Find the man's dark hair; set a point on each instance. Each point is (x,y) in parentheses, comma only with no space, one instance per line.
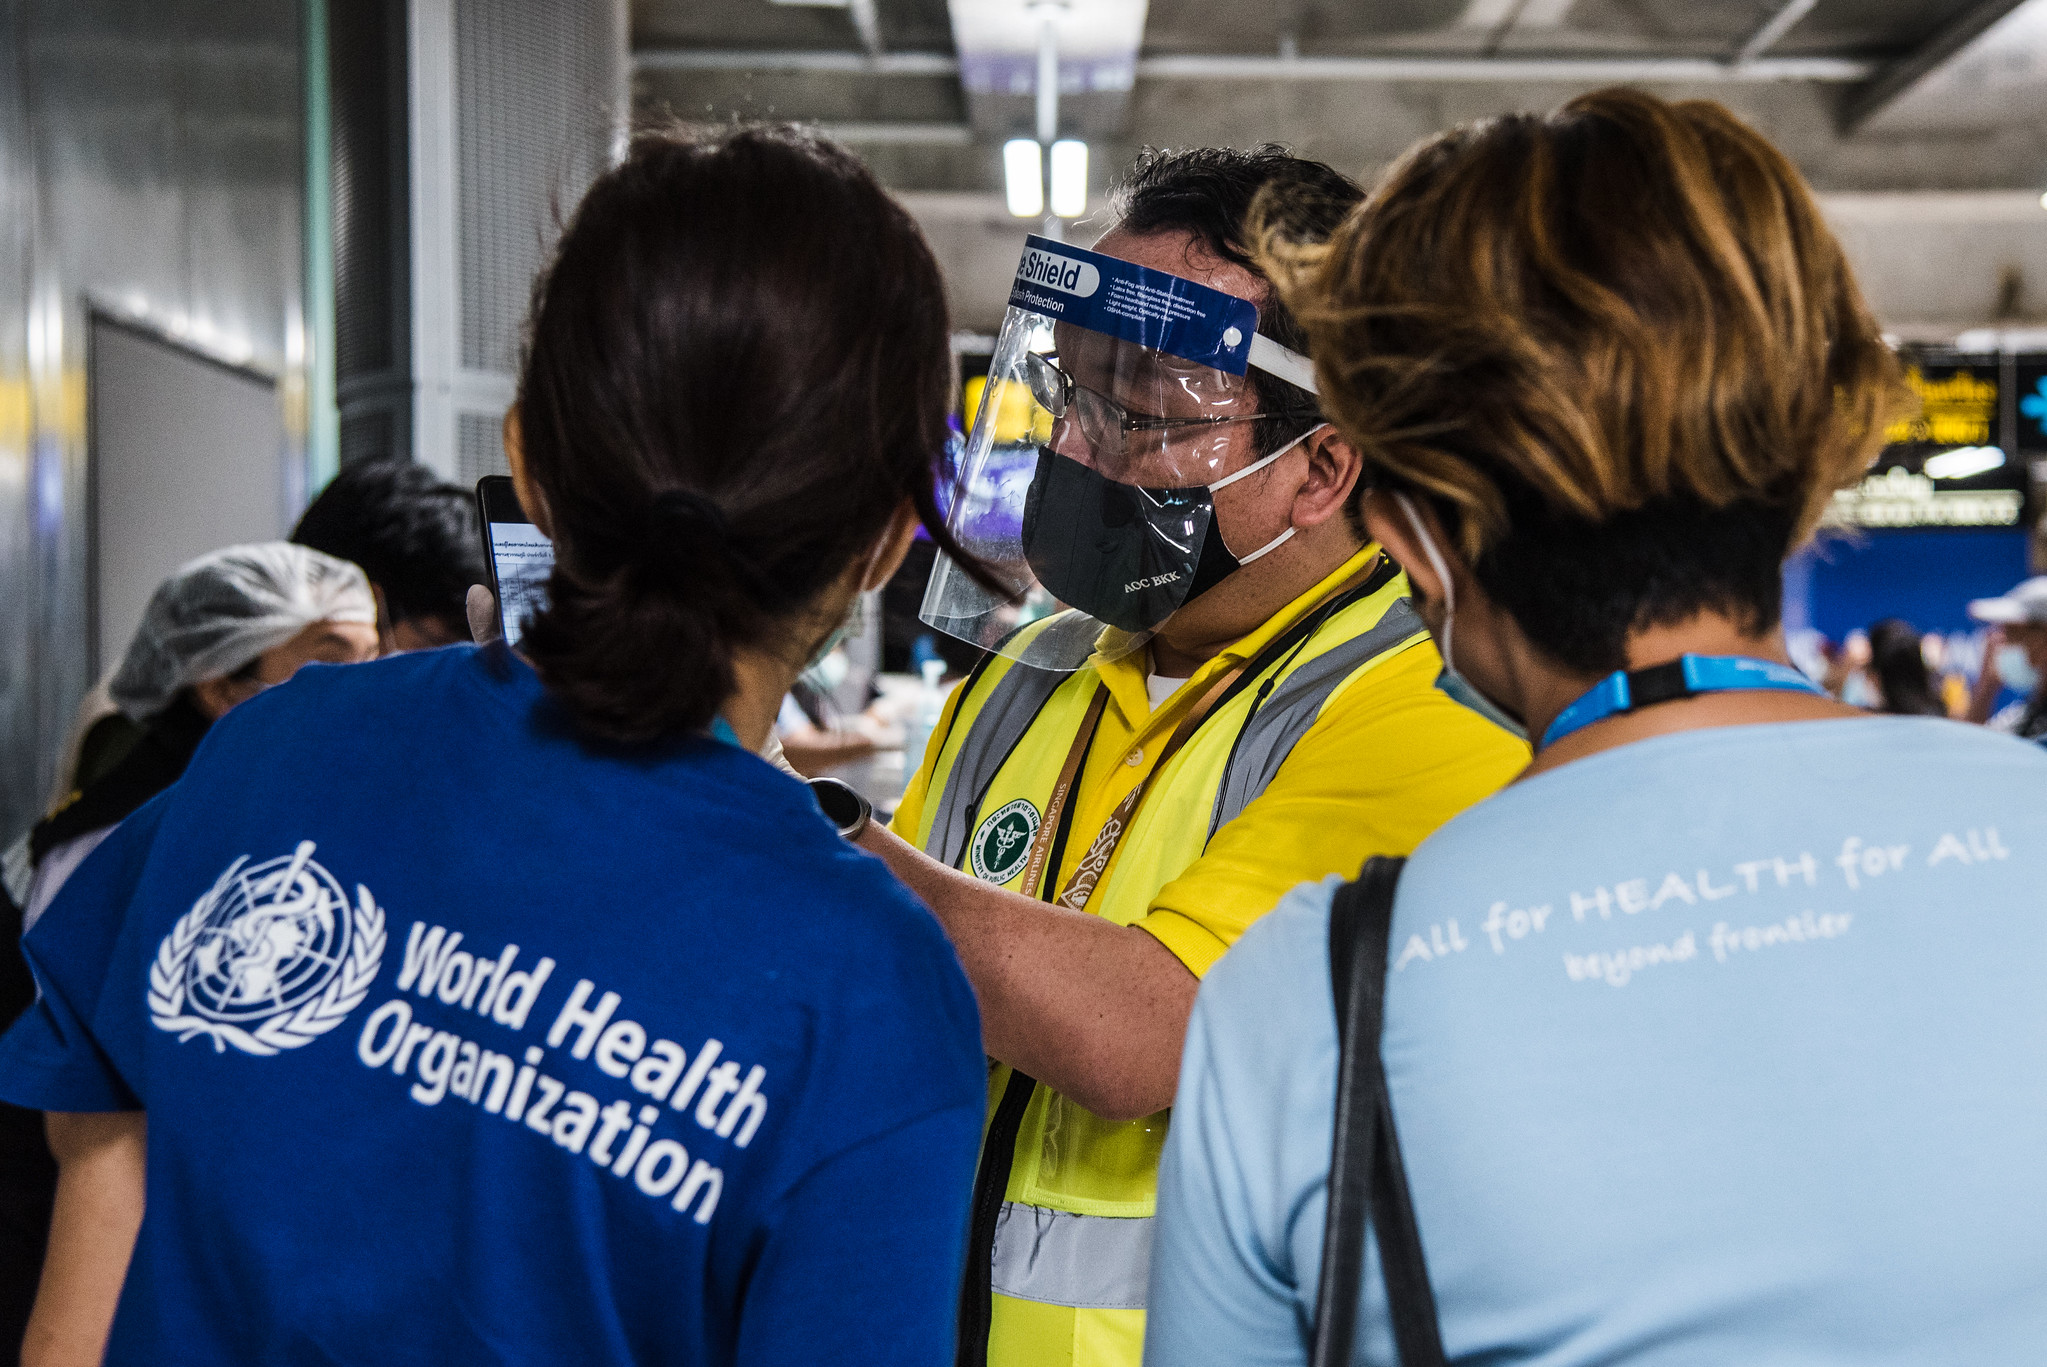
(414,536)
(1208,193)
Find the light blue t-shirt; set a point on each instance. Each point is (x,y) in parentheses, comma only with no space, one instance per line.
(1723,1047)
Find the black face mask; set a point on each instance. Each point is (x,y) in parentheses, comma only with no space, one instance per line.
(1122,553)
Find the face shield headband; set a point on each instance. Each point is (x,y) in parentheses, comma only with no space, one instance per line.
(1117,404)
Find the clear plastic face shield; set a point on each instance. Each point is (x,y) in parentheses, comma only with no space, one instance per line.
(1117,403)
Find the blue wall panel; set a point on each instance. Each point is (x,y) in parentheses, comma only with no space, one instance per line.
(1842,583)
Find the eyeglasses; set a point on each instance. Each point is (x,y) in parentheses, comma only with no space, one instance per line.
(1106,424)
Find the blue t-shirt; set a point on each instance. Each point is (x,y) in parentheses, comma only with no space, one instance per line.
(462,1042)
(1724,1047)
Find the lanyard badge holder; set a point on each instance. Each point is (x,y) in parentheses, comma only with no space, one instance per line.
(1118,402)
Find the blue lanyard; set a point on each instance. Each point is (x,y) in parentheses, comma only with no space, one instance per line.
(1685,677)
(722,730)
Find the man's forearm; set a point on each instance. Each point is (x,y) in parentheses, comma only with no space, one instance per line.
(1092,1009)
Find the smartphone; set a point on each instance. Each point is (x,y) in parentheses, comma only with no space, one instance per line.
(520,557)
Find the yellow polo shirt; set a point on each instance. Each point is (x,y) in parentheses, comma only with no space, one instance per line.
(1388,759)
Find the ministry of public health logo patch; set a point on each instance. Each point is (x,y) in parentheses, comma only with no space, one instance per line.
(272,957)
(1003,842)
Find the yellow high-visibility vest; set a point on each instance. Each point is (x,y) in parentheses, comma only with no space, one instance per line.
(1069,1255)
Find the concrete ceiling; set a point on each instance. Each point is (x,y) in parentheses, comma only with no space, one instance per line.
(1878,101)
(1908,94)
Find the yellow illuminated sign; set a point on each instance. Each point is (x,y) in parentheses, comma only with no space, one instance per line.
(1955,410)
(1018,416)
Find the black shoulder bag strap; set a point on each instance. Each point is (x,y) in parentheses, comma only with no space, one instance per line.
(1367,1181)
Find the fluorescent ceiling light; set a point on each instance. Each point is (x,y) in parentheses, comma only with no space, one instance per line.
(1023,177)
(1963,461)
(1069,178)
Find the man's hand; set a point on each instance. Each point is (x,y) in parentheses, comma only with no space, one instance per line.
(1094,1010)
(100,1167)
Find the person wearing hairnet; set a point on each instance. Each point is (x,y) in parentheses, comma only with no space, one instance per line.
(414,537)
(218,631)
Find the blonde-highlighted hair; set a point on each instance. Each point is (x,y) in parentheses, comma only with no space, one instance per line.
(1621,304)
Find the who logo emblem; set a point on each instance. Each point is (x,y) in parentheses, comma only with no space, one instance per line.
(1002,844)
(272,957)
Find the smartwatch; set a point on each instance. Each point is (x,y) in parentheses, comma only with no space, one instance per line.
(842,806)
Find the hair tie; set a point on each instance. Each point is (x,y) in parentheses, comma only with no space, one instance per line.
(687,530)
(685,513)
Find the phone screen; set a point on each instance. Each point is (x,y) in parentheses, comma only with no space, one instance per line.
(520,557)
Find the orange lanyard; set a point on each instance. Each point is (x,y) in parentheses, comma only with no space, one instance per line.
(1062,788)
(1081,885)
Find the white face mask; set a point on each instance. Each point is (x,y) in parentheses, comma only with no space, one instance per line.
(1450,681)
(1252,469)
(827,673)
(2015,667)
(820,667)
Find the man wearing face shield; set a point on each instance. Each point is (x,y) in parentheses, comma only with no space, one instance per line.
(1209,689)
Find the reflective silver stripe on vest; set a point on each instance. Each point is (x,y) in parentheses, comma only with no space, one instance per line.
(1273,731)
(1013,704)
(1267,739)
(1089,1262)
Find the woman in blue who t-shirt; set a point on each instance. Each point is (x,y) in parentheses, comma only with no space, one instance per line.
(1718,1037)
(504,1008)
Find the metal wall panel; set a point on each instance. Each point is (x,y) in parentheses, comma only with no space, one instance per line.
(538,100)
(372,228)
(479,448)
(184,460)
(21,549)
(516,105)
(463,129)
(150,162)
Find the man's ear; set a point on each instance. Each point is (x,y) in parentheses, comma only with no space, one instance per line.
(894,547)
(530,500)
(1387,521)
(1333,469)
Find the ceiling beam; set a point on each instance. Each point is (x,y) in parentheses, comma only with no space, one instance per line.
(1257,68)
(1771,29)
(877,134)
(867,24)
(1499,69)
(1901,74)
(898,134)
(856,63)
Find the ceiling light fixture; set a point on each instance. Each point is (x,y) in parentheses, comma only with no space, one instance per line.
(1963,462)
(1023,175)
(1069,178)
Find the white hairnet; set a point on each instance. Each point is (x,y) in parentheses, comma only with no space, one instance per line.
(217,613)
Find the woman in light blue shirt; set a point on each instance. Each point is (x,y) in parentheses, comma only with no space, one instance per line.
(1718,1037)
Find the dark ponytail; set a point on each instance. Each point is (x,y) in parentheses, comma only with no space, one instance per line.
(737,370)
